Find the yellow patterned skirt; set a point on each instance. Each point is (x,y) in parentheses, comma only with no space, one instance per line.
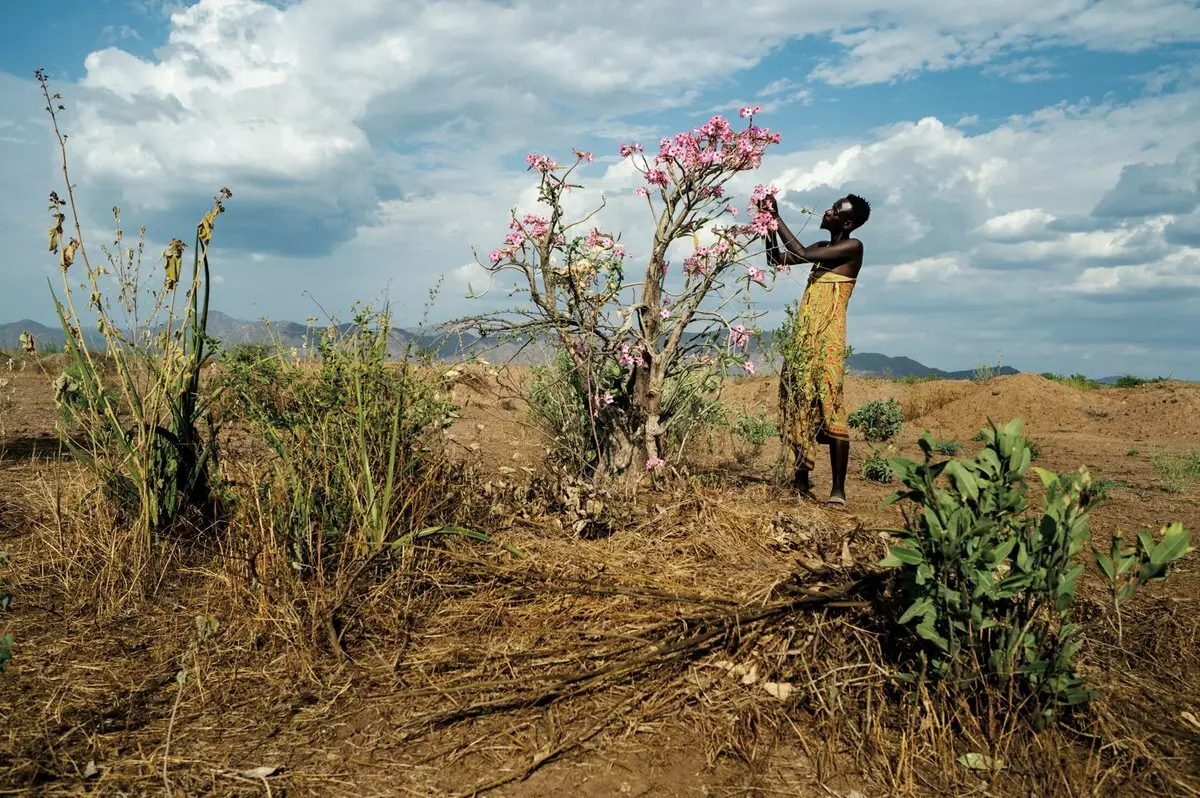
(812,406)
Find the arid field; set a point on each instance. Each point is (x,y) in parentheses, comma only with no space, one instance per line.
(712,636)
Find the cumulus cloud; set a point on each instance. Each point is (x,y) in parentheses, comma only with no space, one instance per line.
(371,143)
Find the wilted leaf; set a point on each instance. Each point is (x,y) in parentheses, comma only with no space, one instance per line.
(263,772)
(981,762)
(781,690)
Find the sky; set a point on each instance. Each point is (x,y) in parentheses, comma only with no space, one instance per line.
(1033,166)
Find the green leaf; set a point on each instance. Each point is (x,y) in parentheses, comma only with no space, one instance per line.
(1173,545)
(927,630)
(1048,478)
(905,556)
(1106,566)
(922,607)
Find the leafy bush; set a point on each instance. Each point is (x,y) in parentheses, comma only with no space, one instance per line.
(148,435)
(948,448)
(752,432)
(358,473)
(558,407)
(878,420)
(877,468)
(1080,382)
(1130,381)
(989,588)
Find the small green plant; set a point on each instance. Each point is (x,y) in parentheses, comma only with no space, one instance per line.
(751,432)
(1097,490)
(1035,449)
(984,371)
(877,468)
(1132,453)
(1127,569)
(948,448)
(988,588)
(879,420)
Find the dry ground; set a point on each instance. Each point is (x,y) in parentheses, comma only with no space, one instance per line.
(446,685)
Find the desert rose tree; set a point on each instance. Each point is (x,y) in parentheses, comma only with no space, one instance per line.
(634,345)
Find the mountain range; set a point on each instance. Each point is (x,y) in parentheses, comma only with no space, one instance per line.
(231,332)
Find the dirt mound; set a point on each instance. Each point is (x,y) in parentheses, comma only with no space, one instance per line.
(1045,405)
(1168,412)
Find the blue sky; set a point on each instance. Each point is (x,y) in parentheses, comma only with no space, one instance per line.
(1033,166)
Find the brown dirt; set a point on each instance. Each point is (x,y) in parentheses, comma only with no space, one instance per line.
(86,687)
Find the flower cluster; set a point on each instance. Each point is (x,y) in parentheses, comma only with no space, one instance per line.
(702,260)
(542,163)
(632,356)
(600,400)
(530,227)
(749,110)
(713,144)
(739,335)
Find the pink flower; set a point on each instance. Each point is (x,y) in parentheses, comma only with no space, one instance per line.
(656,177)
(630,149)
(600,400)
(655,463)
(749,367)
(739,336)
(764,224)
(749,110)
(641,191)
(618,251)
(583,156)
(542,163)
(761,192)
(497,255)
(631,356)
(756,274)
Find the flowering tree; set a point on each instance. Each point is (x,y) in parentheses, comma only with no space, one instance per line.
(634,344)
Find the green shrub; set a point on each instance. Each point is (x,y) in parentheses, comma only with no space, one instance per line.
(988,589)
(948,448)
(879,420)
(359,468)
(557,406)
(1078,381)
(751,432)
(1130,381)
(877,468)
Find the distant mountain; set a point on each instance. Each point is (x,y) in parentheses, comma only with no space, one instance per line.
(231,332)
(874,364)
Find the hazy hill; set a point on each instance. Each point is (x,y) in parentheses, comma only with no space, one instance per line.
(232,332)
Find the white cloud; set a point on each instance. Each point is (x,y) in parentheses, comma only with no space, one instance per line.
(918,270)
(1019,225)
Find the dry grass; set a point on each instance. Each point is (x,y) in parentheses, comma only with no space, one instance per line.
(711,633)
